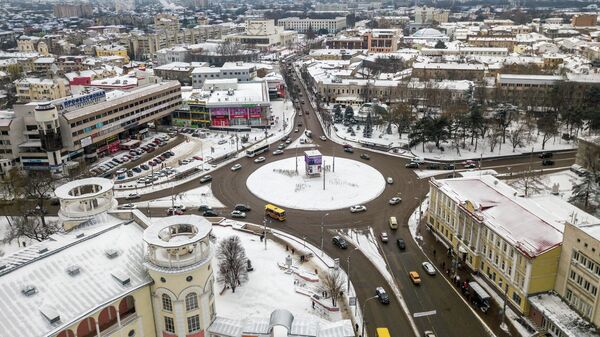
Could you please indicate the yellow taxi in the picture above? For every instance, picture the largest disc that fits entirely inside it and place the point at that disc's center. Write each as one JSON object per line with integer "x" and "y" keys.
{"x": 414, "y": 277}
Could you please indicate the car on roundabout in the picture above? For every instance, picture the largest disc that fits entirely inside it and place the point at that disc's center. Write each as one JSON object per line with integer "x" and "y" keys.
{"x": 296, "y": 130}
{"x": 242, "y": 207}
{"x": 277, "y": 152}
{"x": 428, "y": 333}
{"x": 238, "y": 214}
{"x": 236, "y": 167}
{"x": 323, "y": 138}
{"x": 412, "y": 165}
{"x": 382, "y": 296}
{"x": 358, "y": 209}
{"x": 389, "y": 180}
{"x": 384, "y": 237}
{"x": 395, "y": 201}
{"x": 365, "y": 156}
{"x": 132, "y": 196}
{"x": 339, "y": 242}
{"x": 348, "y": 149}
{"x": 210, "y": 212}
{"x": 428, "y": 267}
{"x": 205, "y": 179}
{"x": 260, "y": 159}
{"x": 401, "y": 244}
{"x": 127, "y": 206}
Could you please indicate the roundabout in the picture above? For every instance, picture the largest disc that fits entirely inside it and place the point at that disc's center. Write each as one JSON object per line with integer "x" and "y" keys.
{"x": 351, "y": 183}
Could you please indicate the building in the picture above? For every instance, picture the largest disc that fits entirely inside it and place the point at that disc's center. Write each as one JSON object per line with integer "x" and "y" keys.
{"x": 263, "y": 34}
{"x": 430, "y": 15}
{"x": 450, "y": 71}
{"x": 36, "y": 89}
{"x": 465, "y": 51}
{"x": 588, "y": 153}
{"x": 243, "y": 72}
{"x": 175, "y": 71}
{"x": 426, "y": 36}
{"x": 49, "y": 135}
{"x": 514, "y": 242}
{"x": 125, "y": 6}
{"x": 226, "y": 104}
{"x": 383, "y": 40}
{"x": 112, "y": 50}
{"x": 66, "y": 10}
{"x": 167, "y": 22}
{"x": 332, "y": 26}
{"x": 584, "y": 20}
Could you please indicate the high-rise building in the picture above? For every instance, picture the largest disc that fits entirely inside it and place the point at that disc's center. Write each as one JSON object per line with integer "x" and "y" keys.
{"x": 67, "y": 10}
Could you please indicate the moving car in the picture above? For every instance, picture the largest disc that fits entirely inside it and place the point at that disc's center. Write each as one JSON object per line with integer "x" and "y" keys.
{"x": 382, "y": 295}
{"x": 389, "y": 180}
{"x": 323, "y": 138}
{"x": 260, "y": 159}
{"x": 348, "y": 149}
{"x": 414, "y": 277}
{"x": 470, "y": 166}
{"x": 296, "y": 130}
{"x": 203, "y": 208}
{"x": 547, "y": 162}
{"x": 339, "y": 242}
{"x": 384, "y": 237}
{"x": 210, "y": 212}
{"x": 357, "y": 208}
{"x": 401, "y": 244}
{"x": 428, "y": 333}
{"x": 174, "y": 211}
{"x": 277, "y": 152}
{"x": 395, "y": 200}
{"x": 242, "y": 208}
{"x": 545, "y": 155}
{"x": 428, "y": 267}
{"x": 238, "y": 214}
{"x": 365, "y": 156}
{"x": 127, "y": 206}
{"x": 418, "y": 160}
{"x": 236, "y": 167}
{"x": 393, "y": 222}
{"x": 205, "y": 179}
{"x": 412, "y": 165}
{"x": 132, "y": 196}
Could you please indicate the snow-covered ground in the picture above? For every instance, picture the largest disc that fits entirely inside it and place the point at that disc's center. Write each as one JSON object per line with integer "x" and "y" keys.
{"x": 450, "y": 152}
{"x": 15, "y": 245}
{"x": 268, "y": 287}
{"x": 352, "y": 183}
{"x": 543, "y": 184}
{"x": 192, "y": 198}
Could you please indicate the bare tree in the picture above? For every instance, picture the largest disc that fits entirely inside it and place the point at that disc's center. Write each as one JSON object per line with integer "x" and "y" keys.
{"x": 516, "y": 136}
{"x": 232, "y": 262}
{"x": 38, "y": 187}
{"x": 548, "y": 125}
{"x": 494, "y": 137}
{"x": 29, "y": 226}
{"x": 332, "y": 282}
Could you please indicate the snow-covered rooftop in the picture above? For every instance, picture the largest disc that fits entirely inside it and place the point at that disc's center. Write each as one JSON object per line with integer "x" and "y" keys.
{"x": 567, "y": 320}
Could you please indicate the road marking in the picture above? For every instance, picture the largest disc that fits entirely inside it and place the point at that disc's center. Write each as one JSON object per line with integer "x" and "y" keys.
{"x": 424, "y": 313}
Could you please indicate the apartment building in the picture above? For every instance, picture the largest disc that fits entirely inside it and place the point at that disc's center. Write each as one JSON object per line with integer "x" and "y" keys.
{"x": 243, "y": 72}
{"x": 303, "y": 25}
{"x": 36, "y": 89}
{"x": 429, "y": 15}
{"x": 263, "y": 34}
{"x": 383, "y": 40}
{"x": 68, "y": 10}
{"x": 112, "y": 50}
{"x": 450, "y": 71}
{"x": 512, "y": 241}
{"x": 466, "y": 51}
{"x": 45, "y": 136}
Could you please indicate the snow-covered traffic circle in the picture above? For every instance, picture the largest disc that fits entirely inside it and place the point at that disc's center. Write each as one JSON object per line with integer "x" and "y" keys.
{"x": 352, "y": 183}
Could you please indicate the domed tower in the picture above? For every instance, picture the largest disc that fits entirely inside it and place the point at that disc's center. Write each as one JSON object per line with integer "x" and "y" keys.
{"x": 81, "y": 200}
{"x": 178, "y": 258}
{"x": 46, "y": 117}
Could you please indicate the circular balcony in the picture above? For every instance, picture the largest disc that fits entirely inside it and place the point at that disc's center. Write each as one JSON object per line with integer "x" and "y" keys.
{"x": 85, "y": 197}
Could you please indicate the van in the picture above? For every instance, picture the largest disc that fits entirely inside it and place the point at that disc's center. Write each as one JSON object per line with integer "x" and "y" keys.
{"x": 418, "y": 160}
{"x": 393, "y": 222}
{"x": 579, "y": 170}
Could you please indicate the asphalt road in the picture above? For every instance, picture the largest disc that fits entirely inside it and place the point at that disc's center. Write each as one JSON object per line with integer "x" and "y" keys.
{"x": 452, "y": 318}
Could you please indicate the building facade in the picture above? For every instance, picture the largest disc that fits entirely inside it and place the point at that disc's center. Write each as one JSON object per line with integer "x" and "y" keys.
{"x": 35, "y": 89}
{"x": 243, "y": 72}
{"x": 303, "y": 25}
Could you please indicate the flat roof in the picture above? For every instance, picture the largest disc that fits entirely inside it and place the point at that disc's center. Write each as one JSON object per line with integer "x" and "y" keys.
{"x": 561, "y": 315}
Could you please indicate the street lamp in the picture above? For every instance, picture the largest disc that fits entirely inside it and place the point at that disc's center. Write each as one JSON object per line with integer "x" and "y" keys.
{"x": 363, "y": 314}
{"x": 348, "y": 276}
{"x": 418, "y": 215}
{"x": 322, "y": 219}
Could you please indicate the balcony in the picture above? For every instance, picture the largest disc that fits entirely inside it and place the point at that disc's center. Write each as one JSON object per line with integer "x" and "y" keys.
{"x": 125, "y": 325}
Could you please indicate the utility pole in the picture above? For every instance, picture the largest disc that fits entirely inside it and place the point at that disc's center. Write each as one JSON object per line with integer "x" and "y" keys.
{"x": 265, "y": 231}
{"x": 348, "y": 276}
{"x": 323, "y": 166}
{"x": 334, "y": 159}
{"x": 296, "y": 158}
{"x": 322, "y": 219}
{"x": 363, "y": 314}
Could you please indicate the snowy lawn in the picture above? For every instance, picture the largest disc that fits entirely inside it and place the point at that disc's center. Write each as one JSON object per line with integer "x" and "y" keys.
{"x": 268, "y": 287}
{"x": 352, "y": 183}
{"x": 7, "y": 248}
{"x": 543, "y": 184}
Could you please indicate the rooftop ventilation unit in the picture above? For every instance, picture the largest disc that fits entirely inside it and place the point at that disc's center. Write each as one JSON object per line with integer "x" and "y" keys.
{"x": 50, "y": 313}
{"x": 111, "y": 253}
{"x": 121, "y": 276}
{"x": 29, "y": 290}
{"x": 73, "y": 270}
{"x": 80, "y": 235}
{"x": 3, "y": 266}
{"x": 42, "y": 250}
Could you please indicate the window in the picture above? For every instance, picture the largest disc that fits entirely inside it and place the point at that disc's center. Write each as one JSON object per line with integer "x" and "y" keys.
{"x": 516, "y": 298}
{"x": 193, "y": 323}
{"x": 166, "y": 303}
{"x": 191, "y": 301}
{"x": 169, "y": 324}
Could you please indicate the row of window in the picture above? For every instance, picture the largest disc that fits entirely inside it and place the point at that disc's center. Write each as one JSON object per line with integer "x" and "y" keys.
{"x": 583, "y": 283}
{"x": 586, "y": 262}
{"x": 580, "y": 305}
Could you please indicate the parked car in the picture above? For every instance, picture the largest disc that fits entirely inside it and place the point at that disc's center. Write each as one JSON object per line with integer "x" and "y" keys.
{"x": 470, "y": 166}
{"x": 414, "y": 277}
{"x": 180, "y": 207}
{"x": 236, "y": 167}
{"x": 260, "y": 159}
{"x": 174, "y": 211}
{"x": 210, "y": 212}
{"x": 401, "y": 244}
{"x": 242, "y": 207}
{"x": 205, "y": 179}
{"x": 197, "y": 157}
{"x": 412, "y": 165}
{"x": 395, "y": 200}
{"x": 357, "y": 209}
{"x": 384, "y": 237}
{"x": 449, "y": 167}
{"x": 428, "y": 267}
{"x": 545, "y": 155}
{"x": 434, "y": 166}
{"x": 132, "y": 196}
{"x": 365, "y": 156}
{"x": 339, "y": 242}
{"x": 238, "y": 214}
{"x": 382, "y": 295}
{"x": 203, "y": 208}
{"x": 145, "y": 167}
{"x": 547, "y": 162}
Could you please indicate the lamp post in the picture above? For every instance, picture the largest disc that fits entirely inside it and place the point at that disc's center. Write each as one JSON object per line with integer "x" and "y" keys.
{"x": 348, "y": 276}
{"x": 419, "y": 214}
{"x": 363, "y": 314}
{"x": 322, "y": 219}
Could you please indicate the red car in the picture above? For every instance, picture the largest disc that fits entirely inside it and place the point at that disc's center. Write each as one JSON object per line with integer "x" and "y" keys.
{"x": 174, "y": 211}
{"x": 197, "y": 157}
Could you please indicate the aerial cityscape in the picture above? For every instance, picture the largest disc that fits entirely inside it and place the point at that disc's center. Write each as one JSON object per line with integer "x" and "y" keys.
{"x": 261, "y": 168}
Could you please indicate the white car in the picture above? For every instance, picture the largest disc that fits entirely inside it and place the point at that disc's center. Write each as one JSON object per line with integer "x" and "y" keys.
{"x": 238, "y": 214}
{"x": 121, "y": 171}
{"x": 323, "y": 138}
{"x": 236, "y": 167}
{"x": 127, "y": 206}
{"x": 428, "y": 267}
{"x": 395, "y": 200}
{"x": 390, "y": 180}
{"x": 384, "y": 237}
{"x": 180, "y": 207}
{"x": 357, "y": 208}
{"x": 277, "y": 152}
{"x": 132, "y": 196}
{"x": 260, "y": 159}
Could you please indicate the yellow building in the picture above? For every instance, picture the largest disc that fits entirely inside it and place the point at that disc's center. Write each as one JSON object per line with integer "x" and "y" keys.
{"x": 36, "y": 89}
{"x": 112, "y": 50}
{"x": 510, "y": 240}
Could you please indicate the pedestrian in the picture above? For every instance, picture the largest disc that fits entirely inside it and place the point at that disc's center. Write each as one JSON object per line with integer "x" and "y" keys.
{"x": 434, "y": 253}
{"x": 443, "y": 264}
{"x": 293, "y": 251}
{"x": 313, "y": 303}
{"x": 287, "y": 248}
